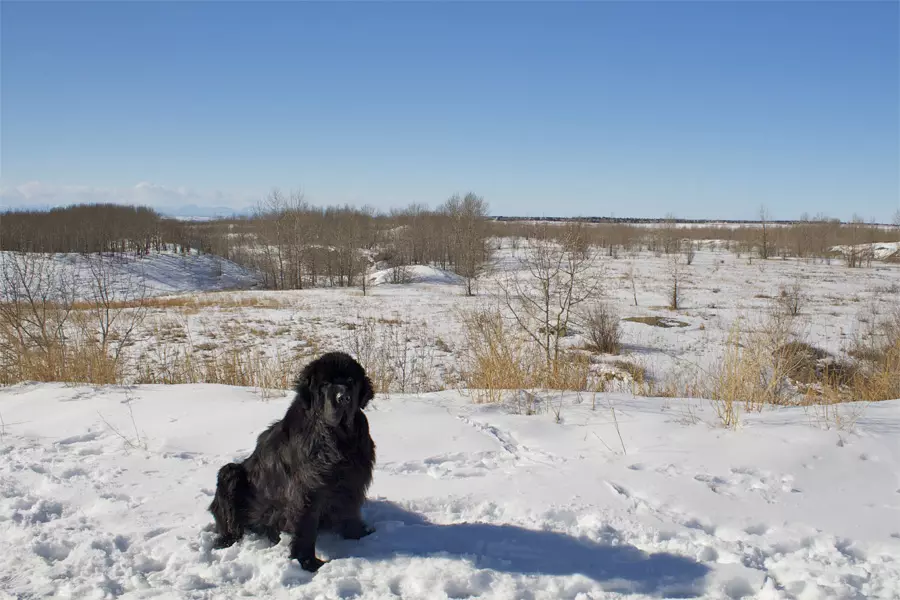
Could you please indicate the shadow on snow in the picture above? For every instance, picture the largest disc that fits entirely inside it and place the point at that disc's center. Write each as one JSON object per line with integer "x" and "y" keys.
{"x": 618, "y": 568}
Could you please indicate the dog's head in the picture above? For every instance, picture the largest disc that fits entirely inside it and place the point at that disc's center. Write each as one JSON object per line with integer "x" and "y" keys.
{"x": 335, "y": 386}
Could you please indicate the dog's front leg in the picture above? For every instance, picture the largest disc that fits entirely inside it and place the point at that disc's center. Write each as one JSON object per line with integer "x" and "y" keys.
{"x": 303, "y": 544}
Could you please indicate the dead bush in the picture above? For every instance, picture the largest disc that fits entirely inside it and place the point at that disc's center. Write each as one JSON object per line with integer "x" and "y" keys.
{"x": 603, "y": 329}
{"x": 791, "y": 299}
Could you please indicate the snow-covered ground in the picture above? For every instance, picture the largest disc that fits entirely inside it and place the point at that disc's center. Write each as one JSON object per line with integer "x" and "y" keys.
{"x": 103, "y": 493}
{"x": 160, "y": 273}
{"x": 718, "y": 289}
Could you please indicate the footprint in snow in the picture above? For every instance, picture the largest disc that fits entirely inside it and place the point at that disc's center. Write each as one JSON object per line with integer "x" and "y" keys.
{"x": 76, "y": 439}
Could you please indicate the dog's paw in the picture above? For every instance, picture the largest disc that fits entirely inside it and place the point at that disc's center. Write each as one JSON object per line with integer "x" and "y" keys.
{"x": 311, "y": 564}
{"x": 273, "y": 536}
{"x": 356, "y": 530}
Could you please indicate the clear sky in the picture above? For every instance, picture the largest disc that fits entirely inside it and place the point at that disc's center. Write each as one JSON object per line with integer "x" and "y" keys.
{"x": 700, "y": 109}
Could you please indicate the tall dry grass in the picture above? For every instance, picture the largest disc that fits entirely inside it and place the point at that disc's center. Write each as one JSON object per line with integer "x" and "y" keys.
{"x": 398, "y": 355}
{"x": 499, "y": 359}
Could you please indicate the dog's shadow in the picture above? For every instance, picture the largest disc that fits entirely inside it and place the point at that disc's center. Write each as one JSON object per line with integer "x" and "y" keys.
{"x": 616, "y": 566}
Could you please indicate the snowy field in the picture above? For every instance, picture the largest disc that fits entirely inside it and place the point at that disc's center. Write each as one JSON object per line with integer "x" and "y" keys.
{"x": 103, "y": 494}
{"x": 103, "y": 491}
{"x": 719, "y": 288}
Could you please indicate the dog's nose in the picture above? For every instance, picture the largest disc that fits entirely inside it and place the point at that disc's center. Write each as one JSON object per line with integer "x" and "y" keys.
{"x": 342, "y": 393}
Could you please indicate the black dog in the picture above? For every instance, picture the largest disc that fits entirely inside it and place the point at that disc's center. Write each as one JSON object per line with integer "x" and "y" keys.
{"x": 310, "y": 470}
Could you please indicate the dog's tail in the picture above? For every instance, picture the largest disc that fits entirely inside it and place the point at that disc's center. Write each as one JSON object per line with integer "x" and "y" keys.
{"x": 228, "y": 505}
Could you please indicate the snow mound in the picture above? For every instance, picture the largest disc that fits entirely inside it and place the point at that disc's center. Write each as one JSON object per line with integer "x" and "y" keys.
{"x": 103, "y": 493}
{"x": 163, "y": 273}
{"x": 417, "y": 274}
{"x": 880, "y": 250}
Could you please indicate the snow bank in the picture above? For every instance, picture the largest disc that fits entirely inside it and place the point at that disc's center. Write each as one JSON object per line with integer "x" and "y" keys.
{"x": 418, "y": 274}
{"x": 103, "y": 493}
{"x": 880, "y": 250}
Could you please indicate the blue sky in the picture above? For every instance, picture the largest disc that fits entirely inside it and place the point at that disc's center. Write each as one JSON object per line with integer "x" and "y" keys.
{"x": 700, "y": 109}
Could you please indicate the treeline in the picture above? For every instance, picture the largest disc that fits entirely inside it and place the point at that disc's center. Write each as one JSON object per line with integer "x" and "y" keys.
{"x": 291, "y": 243}
{"x": 807, "y": 238}
{"x": 94, "y": 228}
{"x": 295, "y": 245}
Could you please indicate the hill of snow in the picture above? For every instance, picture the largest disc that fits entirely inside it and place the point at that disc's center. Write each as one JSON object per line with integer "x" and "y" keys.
{"x": 162, "y": 272}
{"x": 417, "y": 274}
{"x": 103, "y": 493}
{"x": 880, "y": 251}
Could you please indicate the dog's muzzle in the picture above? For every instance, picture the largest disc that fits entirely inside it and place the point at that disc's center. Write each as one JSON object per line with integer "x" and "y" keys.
{"x": 342, "y": 394}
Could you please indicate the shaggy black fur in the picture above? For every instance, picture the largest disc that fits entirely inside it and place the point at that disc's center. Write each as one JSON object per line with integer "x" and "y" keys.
{"x": 310, "y": 470}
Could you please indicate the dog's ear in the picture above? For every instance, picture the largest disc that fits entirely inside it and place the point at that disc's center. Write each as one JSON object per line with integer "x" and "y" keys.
{"x": 306, "y": 390}
{"x": 366, "y": 392}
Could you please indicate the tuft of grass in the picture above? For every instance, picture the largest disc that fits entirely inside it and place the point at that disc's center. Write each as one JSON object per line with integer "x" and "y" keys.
{"x": 500, "y": 360}
{"x": 636, "y": 372}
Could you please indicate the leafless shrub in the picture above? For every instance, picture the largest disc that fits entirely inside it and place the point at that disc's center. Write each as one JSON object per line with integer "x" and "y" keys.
{"x": 559, "y": 277}
{"x": 791, "y": 299}
{"x": 400, "y": 274}
{"x": 118, "y": 304}
{"x": 690, "y": 252}
{"x": 603, "y": 329}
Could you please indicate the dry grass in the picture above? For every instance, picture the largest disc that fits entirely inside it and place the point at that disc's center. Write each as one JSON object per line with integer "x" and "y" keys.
{"x": 637, "y": 373}
{"x": 76, "y": 360}
{"x": 398, "y": 356}
{"x": 72, "y": 351}
{"x": 769, "y": 366}
{"x": 499, "y": 360}
{"x": 166, "y": 364}
{"x": 224, "y": 300}
{"x": 876, "y": 374}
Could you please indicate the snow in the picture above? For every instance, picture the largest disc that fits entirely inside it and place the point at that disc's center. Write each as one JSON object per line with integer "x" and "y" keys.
{"x": 417, "y": 274}
{"x": 163, "y": 273}
{"x": 880, "y": 251}
{"x": 103, "y": 493}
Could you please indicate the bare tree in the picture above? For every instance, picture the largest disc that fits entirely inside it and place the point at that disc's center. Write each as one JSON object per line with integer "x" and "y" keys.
{"x": 558, "y": 277}
{"x": 631, "y": 276}
{"x": 118, "y": 303}
{"x": 854, "y": 250}
{"x": 690, "y": 251}
{"x": 764, "y": 242}
{"x": 469, "y": 250}
{"x": 676, "y": 270}
{"x": 37, "y": 296}
{"x": 667, "y": 238}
